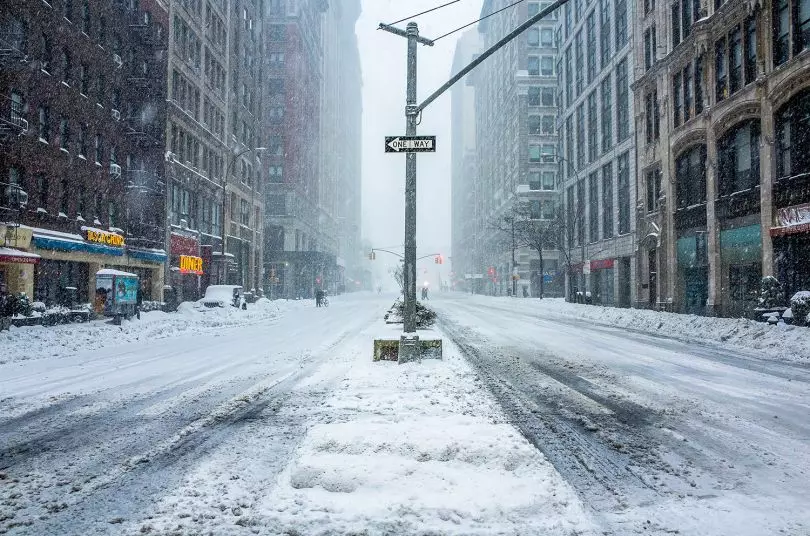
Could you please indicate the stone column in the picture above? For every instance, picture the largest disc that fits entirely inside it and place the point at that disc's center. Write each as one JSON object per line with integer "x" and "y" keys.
{"x": 715, "y": 292}
{"x": 767, "y": 171}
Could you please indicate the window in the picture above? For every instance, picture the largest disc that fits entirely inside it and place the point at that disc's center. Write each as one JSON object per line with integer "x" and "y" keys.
{"x": 533, "y": 37}
{"x": 534, "y": 210}
{"x": 623, "y": 187}
{"x": 590, "y": 30}
{"x": 546, "y": 37}
{"x": 593, "y": 131}
{"x": 604, "y": 21}
{"x": 64, "y": 133}
{"x": 112, "y": 214}
{"x": 699, "y": 85}
{"x": 547, "y": 152}
{"x": 580, "y": 62}
{"x": 534, "y": 180}
{"x": 581, "y": 136}
{"x": 781, "y": 31}
{"x": 690, "y": 177}
{"x": 721, "y": 82}
{"x": 688, "y": 96}
{"x": 98, "y": 149}
{"x": 548, "y": 180}
{"x": 569, "y": 145}
{"x": 533, "y": 65}
{"x": 86, "y": 17}
{"x": 649, "y": 6}
{"x": 82, "y": 141}
{"x": 653, "y": 180}
{"x": 677, "y": 99}
{"x": 676, "y": 24}
{"x": 651, "y": 116}
{"x": 569, "y": 78}
{"x": 738, "y": 158}
{"x": 42, "y": 190}
{"x": 750, "y": 50}
{"x": 534, "y": 153}
{"x": 607, "y": 114}
{"x": 84, "y": 79}
{"x": 744, "y": 281}
{"x": 547, "y": 66}
{"x": 534, "y": 96}
{"x": 66, "y": 66}
{"x": 650, "y": 47}
{"x": 67, "y": 9}
{"x": 607, "y": 200}
{"x": 735, "y": 74}
{"x": 276, "y": 205}
{"x": 47, "y": 54}
{"x": 622, "y": 102}
{"x": 64, "y": 196}
{"x": 621, "y": 24}
{"x": 113, "y": 155}
{"x": 792, "y": 136}
{"x": 548, "y": 209}
{"x": 244, "y": 212}
{"x": 593, "y": 206}
{"x": 534, "y": 9}
{"x": 44, "y": 124}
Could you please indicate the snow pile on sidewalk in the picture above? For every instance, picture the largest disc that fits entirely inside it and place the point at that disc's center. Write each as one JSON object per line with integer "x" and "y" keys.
{"x": 34, "y": 342}
{"x": 420, "y": 449}
{"x": 784, "y": 342}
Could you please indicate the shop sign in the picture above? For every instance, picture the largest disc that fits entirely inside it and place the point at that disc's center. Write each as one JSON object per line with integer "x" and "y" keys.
{"x": 16, "y": 237}
{"x": 792, "y": 220}
{"x": 183, "y": 245}
{"x": 103, "y": 237}
{"x": 602, "y": 264}
{"x": 191, "y": 265}
{"x": 15, "y": 256}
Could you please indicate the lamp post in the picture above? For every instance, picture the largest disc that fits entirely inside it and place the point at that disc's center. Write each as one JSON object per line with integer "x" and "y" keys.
{"x": 234, "y": 158}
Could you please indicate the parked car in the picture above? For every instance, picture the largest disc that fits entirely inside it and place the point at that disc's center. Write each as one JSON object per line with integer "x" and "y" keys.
{"x": 223, "y": 295}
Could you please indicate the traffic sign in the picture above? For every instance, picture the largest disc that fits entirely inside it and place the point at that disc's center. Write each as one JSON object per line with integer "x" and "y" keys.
{"x": 410, "y": 144}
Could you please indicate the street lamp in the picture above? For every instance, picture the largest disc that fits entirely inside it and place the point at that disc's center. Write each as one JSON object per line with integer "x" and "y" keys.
{"x": 231, "y": 161}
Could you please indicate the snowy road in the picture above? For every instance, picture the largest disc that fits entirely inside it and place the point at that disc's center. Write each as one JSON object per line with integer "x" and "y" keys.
{"x": 90, "y": 440}
{"x": 656, "y": 435}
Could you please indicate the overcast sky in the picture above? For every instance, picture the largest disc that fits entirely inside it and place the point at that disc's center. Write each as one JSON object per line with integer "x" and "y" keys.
{"x": 383, "y": 61}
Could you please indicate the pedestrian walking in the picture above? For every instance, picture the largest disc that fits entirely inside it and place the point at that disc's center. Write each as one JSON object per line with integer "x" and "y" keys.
{"x": 319, "y": 298}
{"x": 139, "y": 301}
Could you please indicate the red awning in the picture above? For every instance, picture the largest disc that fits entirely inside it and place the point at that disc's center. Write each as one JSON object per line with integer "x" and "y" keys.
{"x": 790, "y": 229}
{"x": 17, "y": 256}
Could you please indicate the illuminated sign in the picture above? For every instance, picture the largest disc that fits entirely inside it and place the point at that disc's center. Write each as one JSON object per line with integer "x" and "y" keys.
{"x": 191, "y": 265}
{"x": 103, "y": 237}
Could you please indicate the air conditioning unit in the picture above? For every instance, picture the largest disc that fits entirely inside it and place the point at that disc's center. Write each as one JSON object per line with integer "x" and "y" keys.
{"x": 116, "y": 114}
{"x": 117, "y": 60}
{"x": 115, "y": 170}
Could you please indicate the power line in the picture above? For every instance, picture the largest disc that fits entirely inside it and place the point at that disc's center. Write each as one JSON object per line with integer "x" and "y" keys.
{"x": 479, "y": 20}
{"x": 422, "y": 13}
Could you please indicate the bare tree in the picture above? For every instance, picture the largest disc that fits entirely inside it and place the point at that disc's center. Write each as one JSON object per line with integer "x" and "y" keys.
{"x": 398, "y": 274}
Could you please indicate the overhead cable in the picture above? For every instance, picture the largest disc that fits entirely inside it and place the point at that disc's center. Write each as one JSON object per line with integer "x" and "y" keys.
{"x": 479, "y": 20}
{"x": 422, "y": 13}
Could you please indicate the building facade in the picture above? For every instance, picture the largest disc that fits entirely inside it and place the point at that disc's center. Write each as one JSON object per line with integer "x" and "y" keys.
{"x": 466, "y": 222}
{"x": 83, "y": 87}
{"x": 214, "y": 95}
{"x": 311, "y": 177}
{"x": 597, "y": 158}
{"x": 722, "y": 94}
{"x": 516, "y": 140}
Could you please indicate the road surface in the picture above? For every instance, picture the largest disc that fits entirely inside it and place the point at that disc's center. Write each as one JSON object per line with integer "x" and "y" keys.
{"x": 656, "y": 435}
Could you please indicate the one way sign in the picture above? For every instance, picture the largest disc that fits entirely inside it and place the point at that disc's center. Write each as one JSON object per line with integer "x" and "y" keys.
{"x": 410, "y": 144}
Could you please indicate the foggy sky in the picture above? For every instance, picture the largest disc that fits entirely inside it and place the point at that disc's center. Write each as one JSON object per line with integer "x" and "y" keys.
{"x": 383, "y": 62}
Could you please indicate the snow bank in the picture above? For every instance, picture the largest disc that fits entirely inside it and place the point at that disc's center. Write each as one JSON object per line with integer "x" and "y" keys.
{"x": 783, "y": 342}
{"x": 420, "y": 449}
{"x": 35, "y": 342}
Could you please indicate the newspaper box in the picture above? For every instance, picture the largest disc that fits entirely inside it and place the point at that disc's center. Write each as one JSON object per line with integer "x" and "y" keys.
{"x": 116, "y": 294}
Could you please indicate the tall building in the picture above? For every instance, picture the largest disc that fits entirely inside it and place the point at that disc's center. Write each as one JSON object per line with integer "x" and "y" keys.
{"x": 82, "y": 111}
{"x": 312, "y": 178}
{"x": 516, "y": 142}
{"x": 597, "y": 161}
{"x": 722, "y": 100}
{"x": 466, "y": 225}
{"x": 213, "y": 130}
{"x": 341, "y": 123}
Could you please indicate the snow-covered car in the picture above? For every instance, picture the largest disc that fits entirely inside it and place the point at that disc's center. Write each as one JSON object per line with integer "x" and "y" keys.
{"x": 222, "y": 296}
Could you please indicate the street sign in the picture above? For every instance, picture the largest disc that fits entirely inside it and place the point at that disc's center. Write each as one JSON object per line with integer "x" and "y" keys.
{"x": 410, "y": 144}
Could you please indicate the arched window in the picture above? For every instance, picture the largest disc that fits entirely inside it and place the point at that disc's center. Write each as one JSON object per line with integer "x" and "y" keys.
{"x": 738, "y": 158}
{"x": 793, "y": 136}
{"x": 690, "y": 176}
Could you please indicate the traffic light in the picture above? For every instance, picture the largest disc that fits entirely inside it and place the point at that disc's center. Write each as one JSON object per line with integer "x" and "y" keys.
{"x": 491, "y": 270}
{"x": 372, "y": 256}
{"x": 438, "y": 259}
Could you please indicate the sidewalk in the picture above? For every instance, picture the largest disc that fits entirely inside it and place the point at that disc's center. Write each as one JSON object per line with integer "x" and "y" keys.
{"x": 392, "y": 449}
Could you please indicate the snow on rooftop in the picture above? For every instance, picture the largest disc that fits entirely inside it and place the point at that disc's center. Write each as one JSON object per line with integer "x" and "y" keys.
{"x": 111, "y": 271}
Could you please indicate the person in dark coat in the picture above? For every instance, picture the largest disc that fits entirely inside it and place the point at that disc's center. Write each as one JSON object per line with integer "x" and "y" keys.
{"x": 139, "y": 301}
{"x": 319, "y": 297}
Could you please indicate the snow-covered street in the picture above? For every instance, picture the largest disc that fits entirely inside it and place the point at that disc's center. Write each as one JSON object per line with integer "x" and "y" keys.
{"x": 539, "y": 420}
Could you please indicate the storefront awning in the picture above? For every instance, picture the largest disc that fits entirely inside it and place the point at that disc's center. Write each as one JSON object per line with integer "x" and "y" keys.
{"x": 68, "y": 244}
{"x": 16, "y": 256}
{"x": 790, "y": 230}
{"x": 149, "y": 255}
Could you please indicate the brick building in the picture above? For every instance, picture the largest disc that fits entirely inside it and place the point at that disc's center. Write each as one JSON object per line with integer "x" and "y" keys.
{"x": 81, "y": 144}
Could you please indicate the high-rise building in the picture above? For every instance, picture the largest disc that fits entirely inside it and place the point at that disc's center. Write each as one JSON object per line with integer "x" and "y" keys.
{"x": 312, "y": 175}
{"x": 597, "y": 146}
{"x": 82, "y": 116}
{"x": 466, "y": 200}
{"x": 722, "y": 98}
{"x": 214, "y": 95}
{"x": 516, "y": 142}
